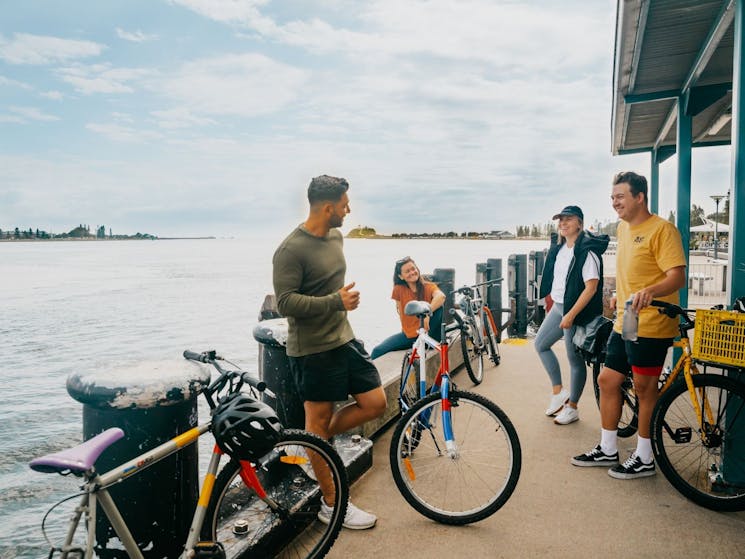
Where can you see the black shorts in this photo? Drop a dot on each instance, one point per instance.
(331, 376)
(645, 355)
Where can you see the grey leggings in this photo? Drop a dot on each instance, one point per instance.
(548, 334)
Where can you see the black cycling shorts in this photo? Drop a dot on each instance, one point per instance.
(645, 355)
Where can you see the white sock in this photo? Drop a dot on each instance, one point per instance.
(644, 449)
(609, 441)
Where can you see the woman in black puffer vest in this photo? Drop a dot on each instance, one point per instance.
(573, 277)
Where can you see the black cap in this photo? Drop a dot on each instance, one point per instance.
(570, 210)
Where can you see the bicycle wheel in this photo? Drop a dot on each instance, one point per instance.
(628, 422)
(473, 354)
(703, 460)
(470, 486)
(491, 343)
(245, 524)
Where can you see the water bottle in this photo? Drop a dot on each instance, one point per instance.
(630, 327)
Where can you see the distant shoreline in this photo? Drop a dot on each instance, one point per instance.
(443, 238)
(91, 239)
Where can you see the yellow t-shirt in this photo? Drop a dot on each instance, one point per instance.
(645, 252)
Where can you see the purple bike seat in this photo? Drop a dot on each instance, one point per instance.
(77, 459)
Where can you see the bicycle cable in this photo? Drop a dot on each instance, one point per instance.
(46, 515)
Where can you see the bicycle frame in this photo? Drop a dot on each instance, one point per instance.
(419, 351)
(441, 383)
(96, 492)
(687, 366)
(474, 308)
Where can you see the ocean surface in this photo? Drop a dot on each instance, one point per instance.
(83, 307)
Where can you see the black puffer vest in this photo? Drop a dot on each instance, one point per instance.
(585, 243)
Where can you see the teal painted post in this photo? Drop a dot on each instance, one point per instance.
(683, 218)
(736, 267)
(654, 183)
(731, 455)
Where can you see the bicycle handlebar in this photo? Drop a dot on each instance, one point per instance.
(674, 311)
(468, 289)
(203, 357)
(670, 309)
(211, 358)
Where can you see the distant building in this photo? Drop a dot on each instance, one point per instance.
(500, 234)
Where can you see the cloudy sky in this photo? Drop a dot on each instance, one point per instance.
(193, 117)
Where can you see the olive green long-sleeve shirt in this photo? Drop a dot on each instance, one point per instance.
(308, 274)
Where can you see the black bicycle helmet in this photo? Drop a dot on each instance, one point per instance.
(245, 428)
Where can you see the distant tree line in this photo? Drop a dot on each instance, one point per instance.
(534, 231)
(79, 232)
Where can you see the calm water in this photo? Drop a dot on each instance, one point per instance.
(87, 306)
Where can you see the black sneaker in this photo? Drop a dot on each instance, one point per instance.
(632, 468)
(596, 457)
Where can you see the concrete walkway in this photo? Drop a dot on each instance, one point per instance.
(557, 510)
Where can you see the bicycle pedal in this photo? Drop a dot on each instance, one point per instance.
(683, 435)
(209, 550)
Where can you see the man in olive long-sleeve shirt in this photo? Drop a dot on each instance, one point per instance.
(327, 361)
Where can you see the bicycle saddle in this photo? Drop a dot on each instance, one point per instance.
(417, 308)
(77, 459)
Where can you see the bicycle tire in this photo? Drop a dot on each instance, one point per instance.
(698, 469)
(292, 531)
(628, 422)
(473, 356)
(470, 487)
(491, 344)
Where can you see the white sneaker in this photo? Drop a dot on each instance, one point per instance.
(355, 519)
(567, 415)
(557, 401)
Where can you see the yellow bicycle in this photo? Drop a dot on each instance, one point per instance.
(698, 424)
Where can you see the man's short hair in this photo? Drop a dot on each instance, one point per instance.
(637, 183)
(326, 189)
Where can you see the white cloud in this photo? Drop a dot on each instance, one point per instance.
(134, 36)
(32, 113)
(121, 133)
(514, 37)
(179, 118)
(225, 11)
(7, 82)
(24, 48)
(234, 84)
(102, 78)
(53, 95)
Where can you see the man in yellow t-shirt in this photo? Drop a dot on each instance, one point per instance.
(650, 264)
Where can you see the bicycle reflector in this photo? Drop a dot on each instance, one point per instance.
(245, 428)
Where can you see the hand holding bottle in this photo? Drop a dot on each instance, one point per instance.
(630, 325)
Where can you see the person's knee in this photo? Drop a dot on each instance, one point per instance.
(609, 380)
(541, 345)
(374, 404)
(378, 405)
(318, 418)
(646, 389)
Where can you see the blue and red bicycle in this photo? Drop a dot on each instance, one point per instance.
(455, 455)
